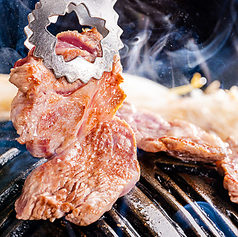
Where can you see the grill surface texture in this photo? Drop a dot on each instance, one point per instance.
(172, 198)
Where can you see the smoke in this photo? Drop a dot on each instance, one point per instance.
(171, 40)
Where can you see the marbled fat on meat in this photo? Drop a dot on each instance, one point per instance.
(92, 153)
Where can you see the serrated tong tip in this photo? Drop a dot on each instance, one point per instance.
(99, 14)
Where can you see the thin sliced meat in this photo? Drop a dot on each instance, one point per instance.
(48, 113)
(92, 153)
(180, 139)
(229, 169)
(70, 45)
(85, 179)
(45, 111)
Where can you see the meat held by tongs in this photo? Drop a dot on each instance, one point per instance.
(92, 153)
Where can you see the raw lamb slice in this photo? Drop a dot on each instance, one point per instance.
(228, 168)
(92, 153)
(180, 139)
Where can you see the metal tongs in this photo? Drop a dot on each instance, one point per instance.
(95, 13)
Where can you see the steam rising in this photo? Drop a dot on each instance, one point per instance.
(170, 56)
(166, 41)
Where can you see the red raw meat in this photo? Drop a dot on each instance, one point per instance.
(71, 44)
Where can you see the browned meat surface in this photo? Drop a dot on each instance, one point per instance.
(84, 180)
(92, 153)
(229, 169)
(178, 138)
(48, 113)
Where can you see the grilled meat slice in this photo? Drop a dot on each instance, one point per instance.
(92, 153)
(180, 139)
(228, 168)
(48, 113)
(84, 180)
(71, 44)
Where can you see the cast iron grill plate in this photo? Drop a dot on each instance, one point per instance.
(172, 198)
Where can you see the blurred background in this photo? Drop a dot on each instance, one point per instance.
(166, 41)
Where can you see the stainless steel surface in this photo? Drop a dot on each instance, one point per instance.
(166, 187)
(99, 14)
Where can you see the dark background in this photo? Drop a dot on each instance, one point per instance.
(166, 41)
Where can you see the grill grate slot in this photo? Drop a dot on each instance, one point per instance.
(144, 216)
(123, 226)
(169, 203)
(165, 188)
